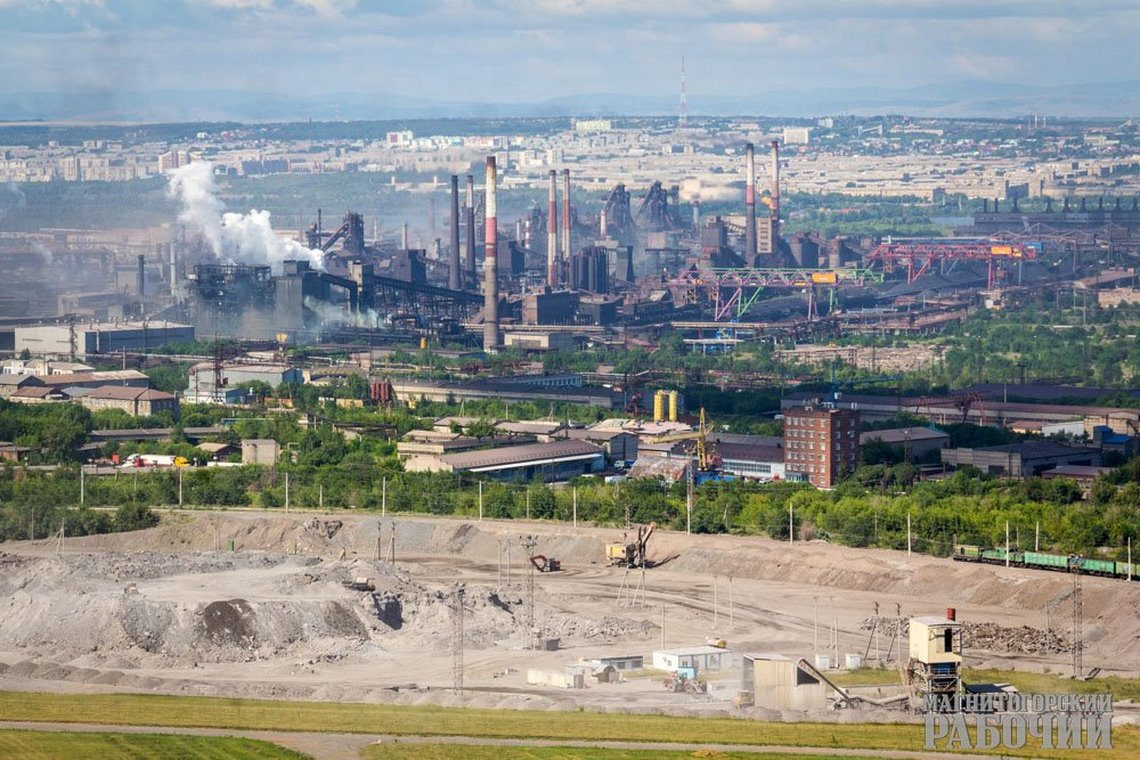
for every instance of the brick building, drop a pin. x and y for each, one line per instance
(821, 443)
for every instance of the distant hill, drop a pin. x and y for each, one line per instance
(961, 99)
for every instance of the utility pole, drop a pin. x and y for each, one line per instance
(791, 524)
(286, 492)
(1078, 622)
(529, 543)
(83, 493)
(179, 486)
(392, 546)
(480, 501)
(384, 496)
(689, 496)
(575, 492)
(457, 612)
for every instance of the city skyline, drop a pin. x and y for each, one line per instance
(741, 55)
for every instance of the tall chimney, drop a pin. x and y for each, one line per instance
(750, 206)
(142, 276)
(404, 236)
(775, 196)
(491, 266)
(469, 214)
(173, 270)
(697, 214)
(453, 278)
(567, 250)
(552, 233)
(603, 227)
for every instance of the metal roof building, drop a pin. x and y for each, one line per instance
(557, 460)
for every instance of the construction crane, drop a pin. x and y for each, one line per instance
(631, 554)
(706, 457)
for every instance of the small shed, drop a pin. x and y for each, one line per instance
(703, 658)
(779, 683)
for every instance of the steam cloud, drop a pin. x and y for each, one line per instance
(234, 238)
(11, 198)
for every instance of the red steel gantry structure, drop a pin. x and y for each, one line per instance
(734, 291)
(918, 256)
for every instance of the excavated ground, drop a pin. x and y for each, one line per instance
(164, 610)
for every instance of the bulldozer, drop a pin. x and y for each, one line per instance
(631, 554)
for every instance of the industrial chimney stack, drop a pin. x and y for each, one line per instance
(454, 280)
(750, 206)
(775, 196)
(552, 233)
(567, 250)
(490, 265)
(142, 277)
(469, 213)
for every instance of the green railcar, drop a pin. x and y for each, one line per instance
(1096, 566)
(993, 555)
(1047, 561)
(1125, 570)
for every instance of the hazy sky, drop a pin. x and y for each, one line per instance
(526, 50)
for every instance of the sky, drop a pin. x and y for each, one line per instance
(509, 51)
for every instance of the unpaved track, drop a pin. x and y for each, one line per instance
(349, 746)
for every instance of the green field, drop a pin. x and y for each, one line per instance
(157, 710)
(1026, 682)
(40, 745)
(469, 752)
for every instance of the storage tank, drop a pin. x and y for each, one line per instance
(659, 406)
(672, 406)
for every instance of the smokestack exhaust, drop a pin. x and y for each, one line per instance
(453, 277)
(552, 233)
(469, 214)
(750, 206)
(490, 265)
(775, 196)
(567, 250)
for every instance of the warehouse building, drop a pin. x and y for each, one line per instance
(137, 402)
(555, 461)
(1021, 460)
(918, 441)
(105, 338)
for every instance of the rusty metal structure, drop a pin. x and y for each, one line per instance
(619, 223)
(552, 265)
(655, 213)
(730, 293)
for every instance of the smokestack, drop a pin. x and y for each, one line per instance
(750, 206)
(469, 214)
(697, 214)
(404, 236)
(775, 196)
(453, 278)
(567, 250)
(142, 276)
(603, 228)
(173, 270)
(552, 233)
(490, 265)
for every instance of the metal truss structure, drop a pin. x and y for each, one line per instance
(732, 292)
(917, 257)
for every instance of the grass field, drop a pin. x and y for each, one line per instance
(1026, 682)
(159, 710)
(40, 745)
(468, 752)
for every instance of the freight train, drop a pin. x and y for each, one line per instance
(1060, 563)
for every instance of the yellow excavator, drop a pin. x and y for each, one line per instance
(631, 554)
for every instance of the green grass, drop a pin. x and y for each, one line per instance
(160, 710)
(470, 752)
(38, 745)
(1026, 682)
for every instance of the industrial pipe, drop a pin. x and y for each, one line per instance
(552, 233)
(750, 206)
(454, 281)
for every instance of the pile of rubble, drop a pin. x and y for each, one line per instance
(990, 637)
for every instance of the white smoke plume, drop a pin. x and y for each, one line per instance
(234, 238)
(11, 198)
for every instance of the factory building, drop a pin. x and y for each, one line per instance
(137, 402)
(202, 383)
(105, 338)
(547, 462)
(1021, 460)
(915, 441)
(821, 443)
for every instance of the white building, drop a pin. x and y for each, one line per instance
(703, 658)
